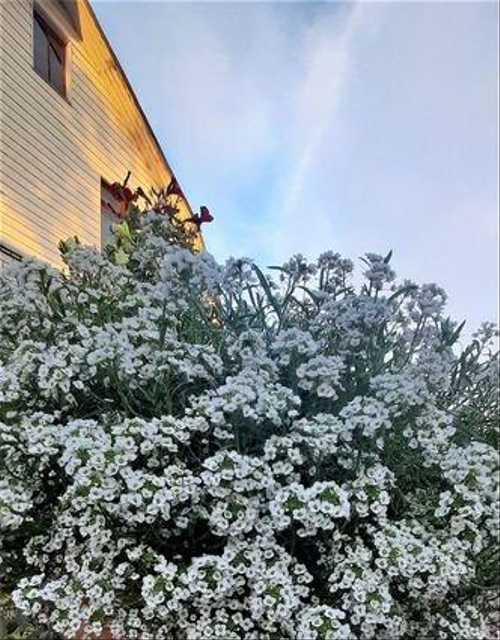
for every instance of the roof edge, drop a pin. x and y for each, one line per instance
(134, 97)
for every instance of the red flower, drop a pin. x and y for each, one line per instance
(116, 190)
(127, 194)
(205, 215)
(174, 189)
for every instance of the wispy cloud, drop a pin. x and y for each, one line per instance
(327, 51)
(326, 76)
(310, 125)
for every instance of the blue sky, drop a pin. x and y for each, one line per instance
(312, 126)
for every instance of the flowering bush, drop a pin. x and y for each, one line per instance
(189, 450)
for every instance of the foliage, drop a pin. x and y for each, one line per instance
(189, 450)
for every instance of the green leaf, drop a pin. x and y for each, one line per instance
(65, 246)
(403, 291)
(124, 231)
(315, 298)
(121, 257)
(278, 269)
(267, 289)
(456, 334)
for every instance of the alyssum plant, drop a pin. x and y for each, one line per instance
(189, 450)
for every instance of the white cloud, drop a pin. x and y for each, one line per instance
(308, 126)
(327, 54)
(223, 105)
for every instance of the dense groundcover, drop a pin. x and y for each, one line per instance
(189, 450)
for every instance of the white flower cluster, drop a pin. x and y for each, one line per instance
(323, 375)
(293, 344)
(193, 451)
(379, 271)
(312, 508)
(235, 486)
(323, 622)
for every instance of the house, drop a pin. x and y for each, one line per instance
(70, 126)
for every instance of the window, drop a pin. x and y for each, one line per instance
(49, 53)
(7, 256)
(66, 8)
(110, 207)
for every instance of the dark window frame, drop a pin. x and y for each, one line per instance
(109, 214)
(55, 50)
(9, 253)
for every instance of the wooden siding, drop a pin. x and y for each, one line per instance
(53, 151)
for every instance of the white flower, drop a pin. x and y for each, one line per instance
(190, 451)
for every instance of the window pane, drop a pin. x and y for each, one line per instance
(108, 201)
(49, 54)
(56, 72)
(57, 45)
(109, 205)
(107, 220)
(40, 50)
(65, 8)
